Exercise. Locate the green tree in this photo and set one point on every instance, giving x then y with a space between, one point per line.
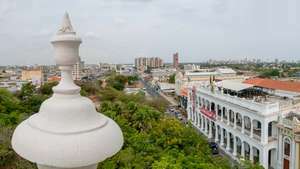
172 78
46 88
27 90
270 73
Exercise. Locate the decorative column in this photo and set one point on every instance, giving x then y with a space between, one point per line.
202 122
68 132
264 132
216 134
205 126
251 153
222 114
210 129
222 137
251 128
243 124
234 146
243 149
228 142
228 118
234 123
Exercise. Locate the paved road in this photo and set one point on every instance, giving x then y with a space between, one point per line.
150 89
169 99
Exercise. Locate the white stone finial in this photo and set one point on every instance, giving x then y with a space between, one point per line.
66 26
67 132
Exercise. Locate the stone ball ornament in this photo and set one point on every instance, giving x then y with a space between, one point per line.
67 132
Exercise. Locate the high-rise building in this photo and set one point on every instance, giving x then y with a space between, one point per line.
142 63
175 60
78 70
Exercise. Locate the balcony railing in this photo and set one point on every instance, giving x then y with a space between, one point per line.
210 114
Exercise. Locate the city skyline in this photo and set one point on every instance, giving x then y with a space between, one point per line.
113 32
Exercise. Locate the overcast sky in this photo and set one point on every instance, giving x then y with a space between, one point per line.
119 30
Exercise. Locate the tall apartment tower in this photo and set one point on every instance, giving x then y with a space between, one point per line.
175 60
142 63
77 70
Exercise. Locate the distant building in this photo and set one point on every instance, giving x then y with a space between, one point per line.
191 67
126 70
77 72
36 76
107 66
143 63
182 79
175 60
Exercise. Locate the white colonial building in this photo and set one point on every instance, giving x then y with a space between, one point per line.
242 118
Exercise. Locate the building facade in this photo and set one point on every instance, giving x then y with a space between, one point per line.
243 122
288 141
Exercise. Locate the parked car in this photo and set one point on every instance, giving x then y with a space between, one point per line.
214 148
179 116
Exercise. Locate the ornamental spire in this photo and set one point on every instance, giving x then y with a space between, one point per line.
66 26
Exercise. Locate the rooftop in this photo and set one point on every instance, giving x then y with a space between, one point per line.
275 84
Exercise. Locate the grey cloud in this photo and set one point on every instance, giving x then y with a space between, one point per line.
119 30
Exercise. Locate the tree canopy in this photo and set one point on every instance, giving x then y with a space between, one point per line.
152 139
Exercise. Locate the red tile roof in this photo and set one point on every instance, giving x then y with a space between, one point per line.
274 84
184 92
54 78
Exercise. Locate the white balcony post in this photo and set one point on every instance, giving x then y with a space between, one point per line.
202 124
228 119
251 152
222 137
228 142
243 149
199 120
243 124
67 132
216 134
234 123
222 116
264 132
234 146
251 128
210 129
206 126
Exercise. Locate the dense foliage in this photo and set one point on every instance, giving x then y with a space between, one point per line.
153 139
13 110
270 73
